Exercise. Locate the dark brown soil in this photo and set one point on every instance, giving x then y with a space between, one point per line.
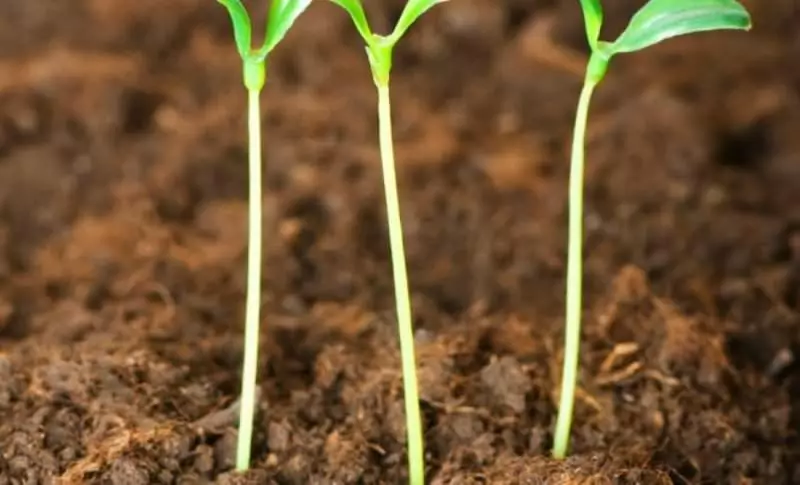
123 236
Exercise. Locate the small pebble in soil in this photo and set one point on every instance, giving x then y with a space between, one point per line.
225 450
507 383
423 336
125 472
164 476
295 470
536 441
204 459
279 436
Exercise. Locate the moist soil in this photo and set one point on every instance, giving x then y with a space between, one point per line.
123 211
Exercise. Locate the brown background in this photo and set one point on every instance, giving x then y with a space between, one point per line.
122 248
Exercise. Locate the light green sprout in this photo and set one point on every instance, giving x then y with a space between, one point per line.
379 52
282 15
657 21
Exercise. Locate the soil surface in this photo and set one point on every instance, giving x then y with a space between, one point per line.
123 206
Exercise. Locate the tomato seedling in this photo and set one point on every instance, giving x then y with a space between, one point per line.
379 53
282 15
657 21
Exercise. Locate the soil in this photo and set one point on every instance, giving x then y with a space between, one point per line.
123 241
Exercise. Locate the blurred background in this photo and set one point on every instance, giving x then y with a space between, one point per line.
123 234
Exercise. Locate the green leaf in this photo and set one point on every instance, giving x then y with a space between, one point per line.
379 48
412 11
282 15
241 25
659 20
593 20
356 12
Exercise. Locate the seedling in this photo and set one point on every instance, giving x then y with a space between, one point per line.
282 15
657 21
379 53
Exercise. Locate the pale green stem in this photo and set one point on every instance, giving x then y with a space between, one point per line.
252 317
574 277
416 461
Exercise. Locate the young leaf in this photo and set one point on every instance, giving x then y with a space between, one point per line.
356 12
412 11
282 15
659 20
593 20
241 25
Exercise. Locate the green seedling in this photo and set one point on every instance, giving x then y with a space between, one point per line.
379 53
657 21
282 15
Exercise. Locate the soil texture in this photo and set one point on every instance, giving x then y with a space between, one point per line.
123 211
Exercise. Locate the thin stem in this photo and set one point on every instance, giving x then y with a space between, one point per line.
252 317
574 276
416 462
